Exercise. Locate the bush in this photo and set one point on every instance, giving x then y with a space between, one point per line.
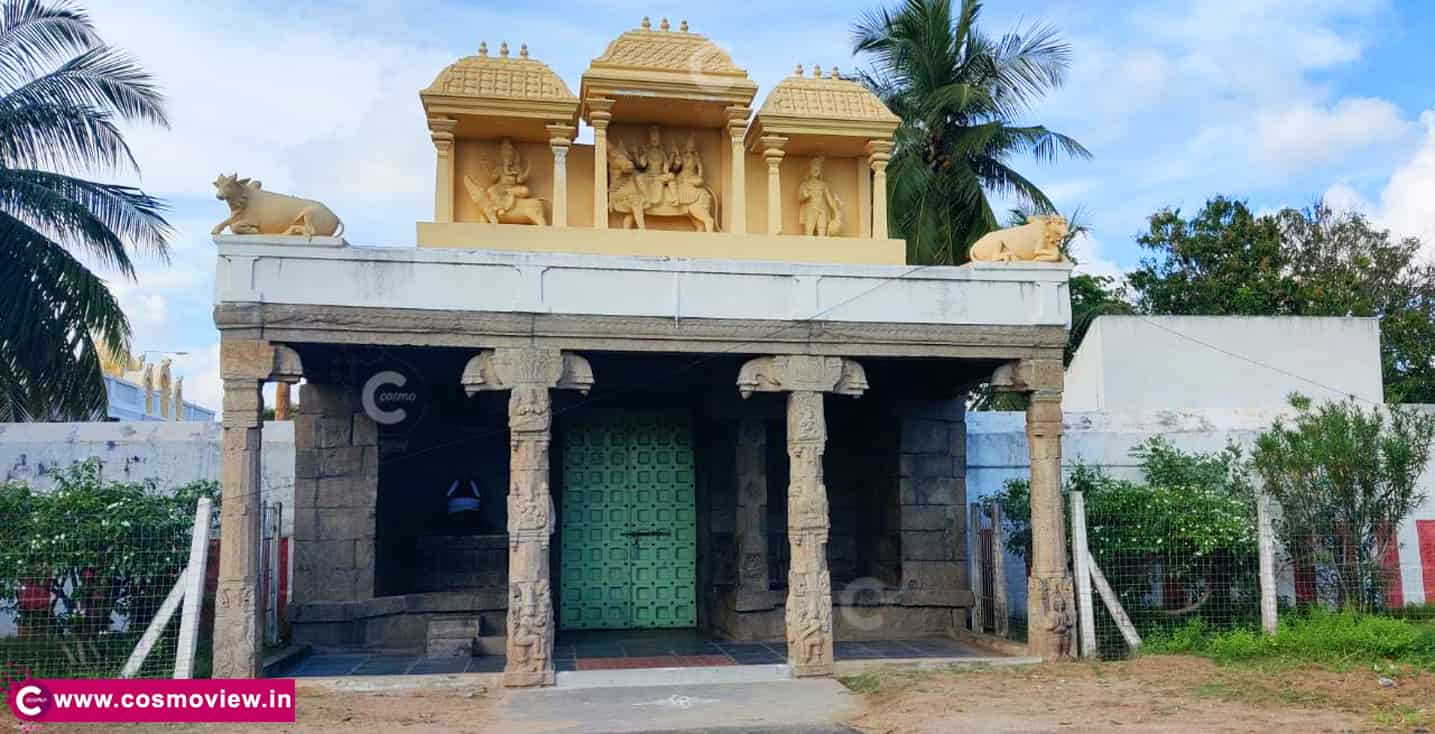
72 558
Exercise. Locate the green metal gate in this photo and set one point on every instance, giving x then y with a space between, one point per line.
629 523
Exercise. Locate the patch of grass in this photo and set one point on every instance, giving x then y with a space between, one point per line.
1402 717
1318 637
864 683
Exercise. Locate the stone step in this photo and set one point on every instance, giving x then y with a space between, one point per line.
462 636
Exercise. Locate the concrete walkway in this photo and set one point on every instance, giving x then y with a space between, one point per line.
786 706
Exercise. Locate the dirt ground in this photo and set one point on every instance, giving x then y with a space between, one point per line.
1151 694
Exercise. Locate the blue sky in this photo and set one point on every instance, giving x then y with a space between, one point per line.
1277 101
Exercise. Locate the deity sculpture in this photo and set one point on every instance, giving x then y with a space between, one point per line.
506 198
646 181
821 211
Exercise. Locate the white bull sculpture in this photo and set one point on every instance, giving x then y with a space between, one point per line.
255 211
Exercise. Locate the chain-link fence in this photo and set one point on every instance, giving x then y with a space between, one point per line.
85 568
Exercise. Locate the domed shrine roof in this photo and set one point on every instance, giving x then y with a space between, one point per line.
517 95
820 110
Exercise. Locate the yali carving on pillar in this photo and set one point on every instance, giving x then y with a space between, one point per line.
505 198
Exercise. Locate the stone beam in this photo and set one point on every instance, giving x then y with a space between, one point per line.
528 374
806 379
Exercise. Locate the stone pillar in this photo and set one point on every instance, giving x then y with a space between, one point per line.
806 379
772 153
560 138
528 375
238 622
283 405
1051 610
600 113
753 585
737 200
441 131
878 153
864 198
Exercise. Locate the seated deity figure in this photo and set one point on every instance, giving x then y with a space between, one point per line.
504 197
690 170
654 170
509 179
821 211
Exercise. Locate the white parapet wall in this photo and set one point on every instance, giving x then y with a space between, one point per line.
997 452
256 270
170 454
1148 363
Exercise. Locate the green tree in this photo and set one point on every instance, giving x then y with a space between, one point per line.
959 93
1092 296
63 94
1227 260
1345 478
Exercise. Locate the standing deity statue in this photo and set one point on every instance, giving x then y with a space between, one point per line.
821 210
505 197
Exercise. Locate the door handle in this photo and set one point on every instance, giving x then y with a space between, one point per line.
648 533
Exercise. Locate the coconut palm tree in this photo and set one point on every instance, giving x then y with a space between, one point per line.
63 94
959 93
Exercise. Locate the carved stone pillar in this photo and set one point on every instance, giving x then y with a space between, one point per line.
772 153
1050 596
283 405
441 131
559 140
808 614
878 153
238 633
737 200
753 585
600 113
864 198
528 375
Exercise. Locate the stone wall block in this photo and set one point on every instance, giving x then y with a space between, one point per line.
306 492
927 465
927 546
929 491
926 517
342 462
334 431
922 436
306 463
365 431
346 524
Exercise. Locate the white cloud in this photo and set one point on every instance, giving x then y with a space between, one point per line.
1406 204
1088 253
1303 135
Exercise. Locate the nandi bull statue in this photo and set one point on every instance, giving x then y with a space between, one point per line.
1039 240
255 211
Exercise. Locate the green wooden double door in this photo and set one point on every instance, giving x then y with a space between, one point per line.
628 522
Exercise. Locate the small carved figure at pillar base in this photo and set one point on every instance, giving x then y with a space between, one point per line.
1053 639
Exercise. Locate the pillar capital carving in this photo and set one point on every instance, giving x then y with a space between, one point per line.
505 369
441 131
560 135
261 361
737 122
771 147
600 111
879 151
802 373
1042 377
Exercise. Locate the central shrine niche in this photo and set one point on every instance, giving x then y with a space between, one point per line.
646 180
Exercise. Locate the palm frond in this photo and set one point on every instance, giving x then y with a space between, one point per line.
34 34
97 217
